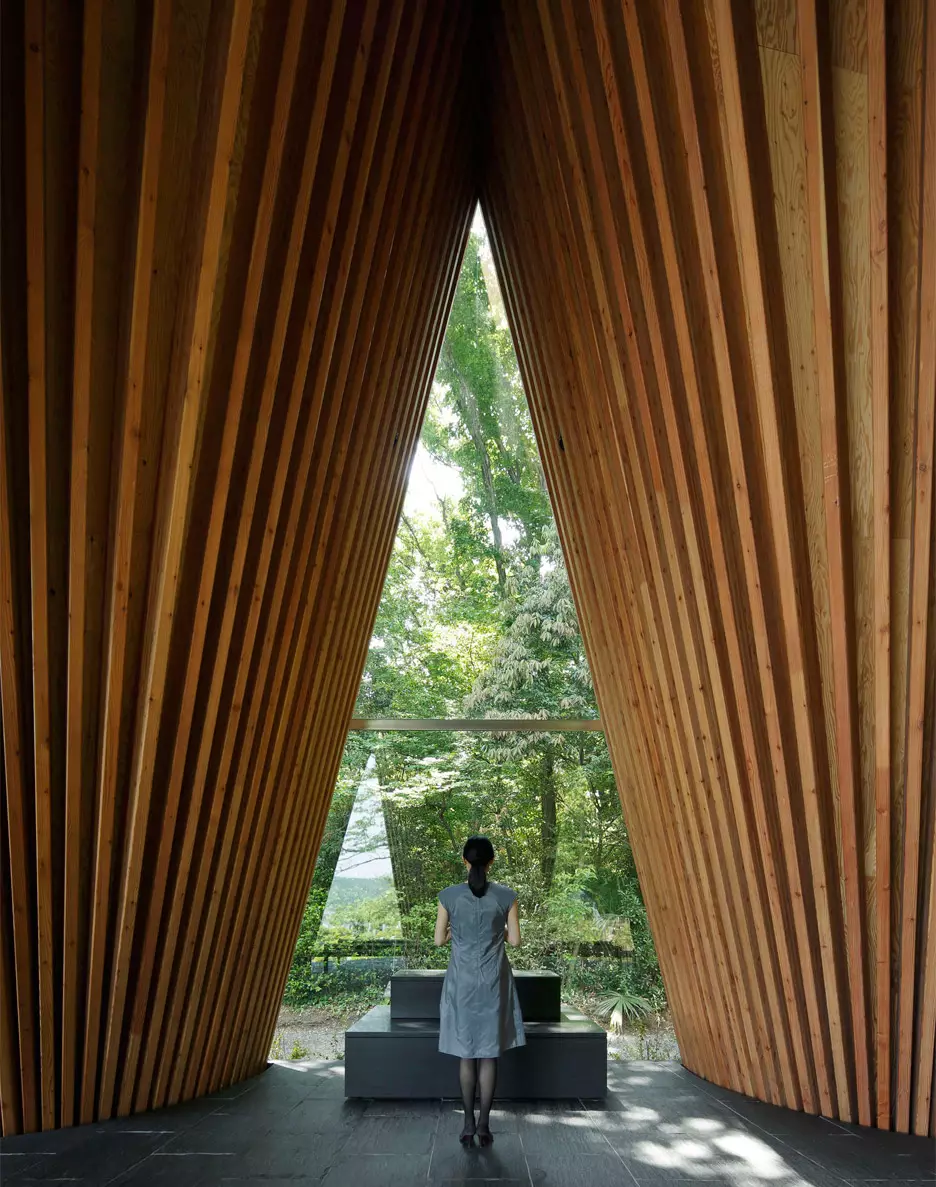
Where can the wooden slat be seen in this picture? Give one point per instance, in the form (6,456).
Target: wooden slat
(768,405)
(913,895)
(119,592)
(16,786)
(829,343)
(78,541)
(877,154)
(745,523)
(38,548)
(11,1104)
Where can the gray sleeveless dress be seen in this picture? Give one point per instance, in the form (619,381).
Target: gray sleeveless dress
(480,1011)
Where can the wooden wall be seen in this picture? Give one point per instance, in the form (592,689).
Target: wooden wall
(715,225)
(230,235)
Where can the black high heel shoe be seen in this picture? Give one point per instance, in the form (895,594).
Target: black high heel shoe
(467,1134)
(485,1137)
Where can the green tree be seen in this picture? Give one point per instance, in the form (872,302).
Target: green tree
(477,619)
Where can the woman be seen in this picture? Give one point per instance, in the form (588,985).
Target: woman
(480,1011)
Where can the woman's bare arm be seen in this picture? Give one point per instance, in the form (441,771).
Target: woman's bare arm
(442,932)
(513,925)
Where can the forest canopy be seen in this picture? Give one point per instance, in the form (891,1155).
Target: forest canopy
(477,620)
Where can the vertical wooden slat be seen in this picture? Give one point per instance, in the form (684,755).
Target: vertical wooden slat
(11,1102)
(880,393)
(38,546)
(912,894)
(823,245)
(16,780)
(121,543)
(77,532)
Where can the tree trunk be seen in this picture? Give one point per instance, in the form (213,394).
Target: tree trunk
(468,407)
(548,831)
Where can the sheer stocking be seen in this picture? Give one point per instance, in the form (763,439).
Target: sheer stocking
(468,1079)
(487,1081)
(472,1075)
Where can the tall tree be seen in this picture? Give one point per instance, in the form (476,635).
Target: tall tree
(477,619)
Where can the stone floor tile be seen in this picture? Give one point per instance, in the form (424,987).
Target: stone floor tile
(505,1159)
(377,1170)
(577,1170)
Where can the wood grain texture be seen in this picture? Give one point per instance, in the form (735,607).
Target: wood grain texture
(272,161)
(711,191)
(231,233)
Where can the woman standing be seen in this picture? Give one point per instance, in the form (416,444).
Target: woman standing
(480,1011)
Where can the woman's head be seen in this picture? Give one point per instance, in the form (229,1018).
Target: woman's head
(478,855)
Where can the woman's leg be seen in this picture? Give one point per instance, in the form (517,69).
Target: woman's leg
(487,1078)
(468,1078)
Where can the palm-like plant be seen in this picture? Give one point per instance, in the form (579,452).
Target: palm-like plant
(622,1005)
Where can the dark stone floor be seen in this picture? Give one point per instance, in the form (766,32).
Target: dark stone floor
(659,1126)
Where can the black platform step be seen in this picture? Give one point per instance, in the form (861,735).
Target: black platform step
(416,993)
(399,1058)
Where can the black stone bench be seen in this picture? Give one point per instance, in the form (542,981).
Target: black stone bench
(393,1051)
(417,993)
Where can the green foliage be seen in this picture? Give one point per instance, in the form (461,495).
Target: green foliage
(477,619)
(376,917)
(299,982)
(346,993)
(617,1007)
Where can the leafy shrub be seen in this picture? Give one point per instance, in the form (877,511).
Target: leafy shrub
(617,1007)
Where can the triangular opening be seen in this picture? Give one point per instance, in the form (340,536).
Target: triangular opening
(477,621)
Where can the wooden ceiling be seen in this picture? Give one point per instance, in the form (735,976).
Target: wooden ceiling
(230,236)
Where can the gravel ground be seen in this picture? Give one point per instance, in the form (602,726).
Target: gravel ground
(308,1034)
(656,1043)
(313,1034)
